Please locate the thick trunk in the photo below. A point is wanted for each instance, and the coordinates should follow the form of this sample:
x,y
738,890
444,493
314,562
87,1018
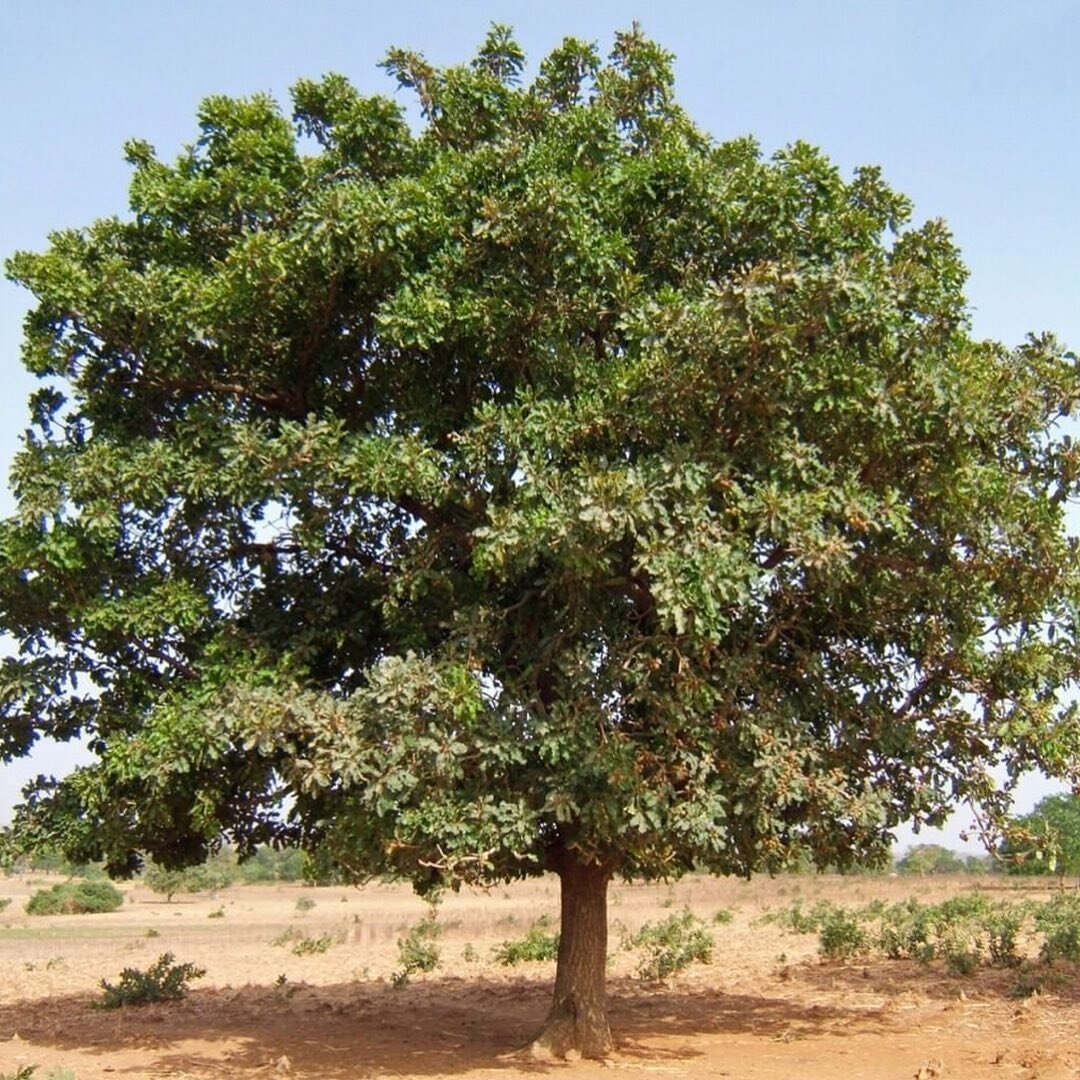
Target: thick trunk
x,y
578,1021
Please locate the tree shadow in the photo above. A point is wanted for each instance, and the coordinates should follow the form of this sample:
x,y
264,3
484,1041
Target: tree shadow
x,y
436,1027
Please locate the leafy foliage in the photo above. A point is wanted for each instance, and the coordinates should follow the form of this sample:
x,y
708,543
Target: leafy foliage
x,y
164,980
1046,841
76,898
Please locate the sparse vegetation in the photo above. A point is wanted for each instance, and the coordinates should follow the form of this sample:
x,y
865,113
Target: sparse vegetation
x,y
302,944
164,980
963,932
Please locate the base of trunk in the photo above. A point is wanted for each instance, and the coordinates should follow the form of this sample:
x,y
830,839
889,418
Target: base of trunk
x,y
572,1030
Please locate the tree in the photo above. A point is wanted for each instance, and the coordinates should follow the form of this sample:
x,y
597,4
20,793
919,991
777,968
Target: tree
x,y
551,488
925,859
1046,841
208,877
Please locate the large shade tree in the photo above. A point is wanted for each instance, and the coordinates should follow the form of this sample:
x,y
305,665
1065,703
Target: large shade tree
x,y
544,487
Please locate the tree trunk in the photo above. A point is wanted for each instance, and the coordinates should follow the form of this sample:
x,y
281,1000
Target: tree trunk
x,y
578,1020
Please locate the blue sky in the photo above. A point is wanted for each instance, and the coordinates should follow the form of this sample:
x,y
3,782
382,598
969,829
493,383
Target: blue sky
x,y
971,107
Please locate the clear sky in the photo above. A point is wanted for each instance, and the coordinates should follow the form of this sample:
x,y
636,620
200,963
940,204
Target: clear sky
x,y
971,107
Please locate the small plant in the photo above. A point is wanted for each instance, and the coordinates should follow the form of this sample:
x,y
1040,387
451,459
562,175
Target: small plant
x,y
723,917
153,933
418,950
283,988
671,946
287,936
76,898
469,953
162,981
310,946
304,944
537,944
4,902
217,913
24,1073
304,905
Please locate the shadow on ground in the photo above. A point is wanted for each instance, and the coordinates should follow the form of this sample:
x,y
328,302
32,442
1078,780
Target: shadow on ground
x,y
437,1027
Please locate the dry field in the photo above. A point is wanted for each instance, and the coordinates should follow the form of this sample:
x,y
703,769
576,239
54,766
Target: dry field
x,y
767,1008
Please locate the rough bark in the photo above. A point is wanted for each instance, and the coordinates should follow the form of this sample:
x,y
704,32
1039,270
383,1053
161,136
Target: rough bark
x,y
577,1022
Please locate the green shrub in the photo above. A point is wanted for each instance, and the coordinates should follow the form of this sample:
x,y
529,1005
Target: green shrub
x,y
538,943
1059,921
304,904
76,898
418,950
309,946
162,981
1003,925
4,902
840,935
904,932
671,945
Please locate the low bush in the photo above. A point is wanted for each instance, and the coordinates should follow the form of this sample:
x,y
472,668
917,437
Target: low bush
x,y
841,935
671,945
76,898
162,981
1059,921
418,950
538,944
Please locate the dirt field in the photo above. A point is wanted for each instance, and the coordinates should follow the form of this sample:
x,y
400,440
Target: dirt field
x,y
767,1008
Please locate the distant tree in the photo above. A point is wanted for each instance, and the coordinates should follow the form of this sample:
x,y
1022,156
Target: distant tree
x,y
1046,841
925,859
549,489
270,864
206,877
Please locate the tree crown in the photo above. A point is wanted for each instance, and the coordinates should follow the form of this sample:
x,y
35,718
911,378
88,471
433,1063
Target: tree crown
x,y
549,479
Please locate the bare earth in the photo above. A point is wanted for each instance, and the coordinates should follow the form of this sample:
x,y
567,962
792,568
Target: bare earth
x,y
767,1008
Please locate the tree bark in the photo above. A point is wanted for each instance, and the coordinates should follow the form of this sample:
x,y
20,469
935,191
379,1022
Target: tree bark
x,y
577,1022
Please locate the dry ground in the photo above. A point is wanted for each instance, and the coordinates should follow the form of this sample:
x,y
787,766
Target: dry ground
x,y
767,1008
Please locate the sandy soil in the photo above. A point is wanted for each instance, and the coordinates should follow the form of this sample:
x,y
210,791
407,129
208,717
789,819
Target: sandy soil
x,y
767,1008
